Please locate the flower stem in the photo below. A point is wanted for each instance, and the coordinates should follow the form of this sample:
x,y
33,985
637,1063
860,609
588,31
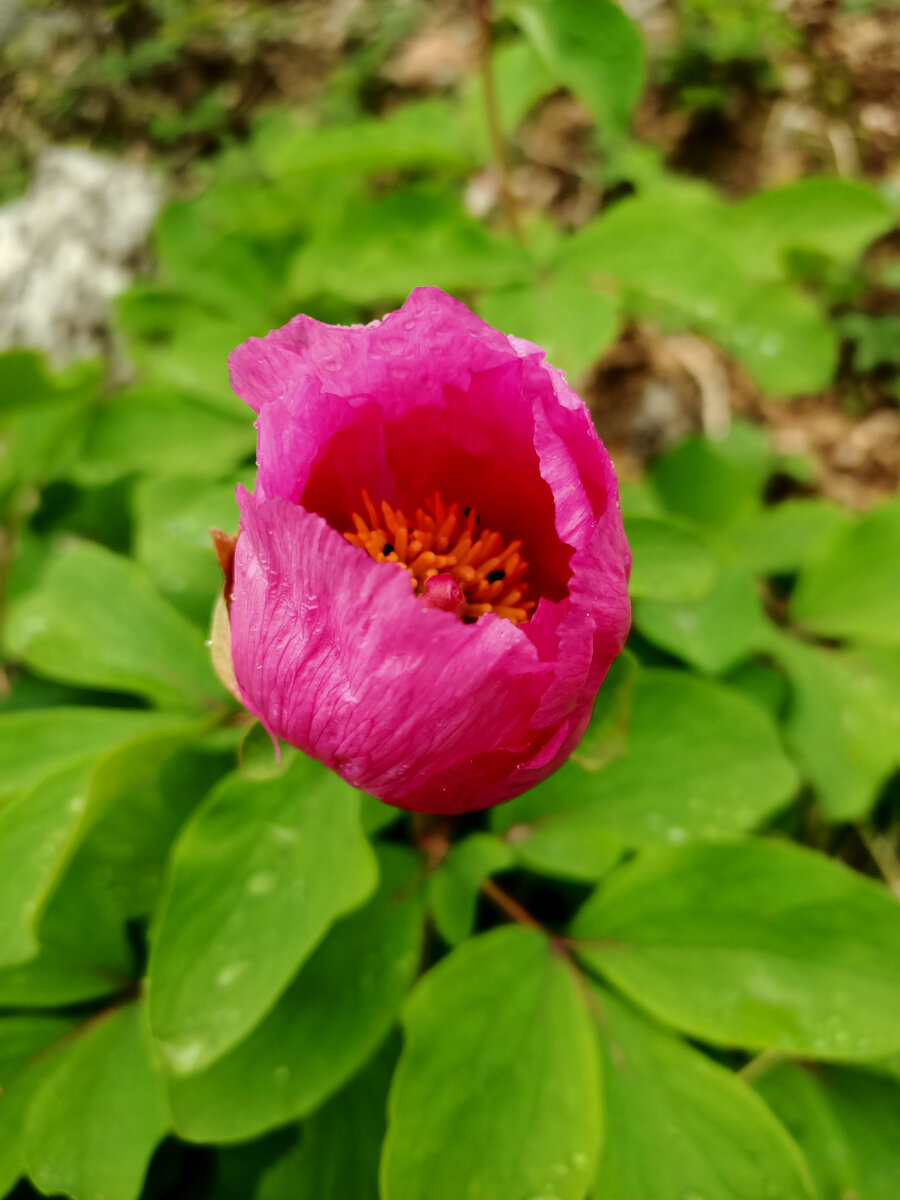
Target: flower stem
x,y
492,118
508,905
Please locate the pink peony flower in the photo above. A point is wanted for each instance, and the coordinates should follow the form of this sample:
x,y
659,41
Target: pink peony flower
x,y
430,579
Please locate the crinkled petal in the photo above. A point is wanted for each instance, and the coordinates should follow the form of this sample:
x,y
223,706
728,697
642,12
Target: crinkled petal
x,y
335,654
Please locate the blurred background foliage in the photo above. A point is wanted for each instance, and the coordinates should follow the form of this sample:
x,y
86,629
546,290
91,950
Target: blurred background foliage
x,y
693,208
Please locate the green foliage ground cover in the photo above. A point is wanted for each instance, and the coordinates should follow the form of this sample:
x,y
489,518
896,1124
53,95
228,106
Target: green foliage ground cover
x,y
205,958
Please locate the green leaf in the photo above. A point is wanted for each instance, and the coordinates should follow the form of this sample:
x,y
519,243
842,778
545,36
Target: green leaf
x,y
422,134
36,742
256,755
319,1167
703,761
783,339
24,1041
129,848
713,633
324,1027
98,1113
846,1123
380,248
229,274
566,842
96,620
41,828
496,1093
675,254
679,1125
842,721
258,876
607,733
454,886
671,561
156,429
834,217
27,383
852,588
572,326
752,944
177,344
782,539
52,980
591,47
173,518
717,483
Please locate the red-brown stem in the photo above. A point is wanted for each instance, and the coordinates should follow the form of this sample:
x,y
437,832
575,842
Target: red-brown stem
x,y
432,836
492,118
508,905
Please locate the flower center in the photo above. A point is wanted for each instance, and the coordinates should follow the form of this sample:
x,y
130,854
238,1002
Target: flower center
x,y
441,541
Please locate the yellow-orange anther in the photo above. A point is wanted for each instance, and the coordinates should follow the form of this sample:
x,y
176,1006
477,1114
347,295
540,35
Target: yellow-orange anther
x,y
439,542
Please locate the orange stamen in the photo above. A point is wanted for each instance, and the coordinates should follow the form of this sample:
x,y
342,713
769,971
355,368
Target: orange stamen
x,y
489,571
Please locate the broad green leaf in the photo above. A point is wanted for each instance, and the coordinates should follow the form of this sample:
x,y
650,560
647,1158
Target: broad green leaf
x,y
764,684
173,518
124,859
158,430
703,761
591,47
42,443
24,1043
572,326
227,273
95,619
670,561
41,828
852,588
752,944
646,246
380,248
323,1028
713,633
259,758
679,1125
26,383
259,874
846,1123
842,721
717,483
834,217
876,339
98,1113
783,339
320,1167
669,255
606,736
566,842
423,134
52,980
497,1092
180,345
782,539
35,742
454,886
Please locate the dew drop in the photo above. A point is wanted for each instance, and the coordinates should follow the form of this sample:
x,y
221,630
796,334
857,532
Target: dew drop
x,y
229,974
182,1055
261,883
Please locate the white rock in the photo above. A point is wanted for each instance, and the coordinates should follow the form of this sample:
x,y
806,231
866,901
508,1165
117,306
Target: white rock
x,y
68,247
